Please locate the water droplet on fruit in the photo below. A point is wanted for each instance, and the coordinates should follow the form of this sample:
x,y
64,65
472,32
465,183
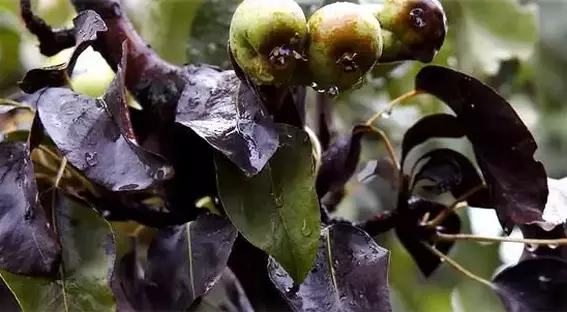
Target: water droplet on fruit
x,y
90,159
544,279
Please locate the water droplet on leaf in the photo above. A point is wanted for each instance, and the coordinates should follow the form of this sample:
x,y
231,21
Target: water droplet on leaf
x,y
90,159
531,247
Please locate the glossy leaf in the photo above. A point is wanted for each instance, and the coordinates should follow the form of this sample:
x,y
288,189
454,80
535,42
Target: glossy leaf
x,y
533,285
339,161
280,212
95,141
411,233
350,274
429,127
503,145
227,114
82,282
27,244
88,24
183,263
450,171
226,295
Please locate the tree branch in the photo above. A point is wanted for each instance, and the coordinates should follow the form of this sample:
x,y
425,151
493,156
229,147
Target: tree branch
x,y
51,41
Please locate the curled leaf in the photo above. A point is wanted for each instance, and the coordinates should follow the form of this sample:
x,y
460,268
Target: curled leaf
x,y
340,161
350,274
87,25
503,145
411,233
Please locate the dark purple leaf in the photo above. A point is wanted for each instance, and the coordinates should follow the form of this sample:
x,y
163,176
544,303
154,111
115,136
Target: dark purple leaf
x,y
7,300
502,144
27,244
532,285
339,161
184,262
96,137
430,127
451,172
227,295
535,231
357,281
87,25
411,233
249,264
228,115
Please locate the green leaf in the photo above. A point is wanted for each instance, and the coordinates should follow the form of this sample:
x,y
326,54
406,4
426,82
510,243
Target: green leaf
x,y
488,32
87,256
9,48
170,27
277,210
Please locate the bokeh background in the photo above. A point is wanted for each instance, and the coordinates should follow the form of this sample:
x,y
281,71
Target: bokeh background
x,y
518,47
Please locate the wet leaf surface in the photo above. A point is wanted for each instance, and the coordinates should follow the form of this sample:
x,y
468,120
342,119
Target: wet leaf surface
x,y
350,274
451,171
429,127
227,295
229,116
339,161
411,233
82,282
533,285
502,144
280,213
96,137
183,263
87,26
27,244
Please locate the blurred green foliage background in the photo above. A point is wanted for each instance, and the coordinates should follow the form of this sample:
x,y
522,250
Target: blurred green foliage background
x,y
516,46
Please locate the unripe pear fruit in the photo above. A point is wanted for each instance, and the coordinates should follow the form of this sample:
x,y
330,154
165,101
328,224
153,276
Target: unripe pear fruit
x,y
412,29
344,43
266,39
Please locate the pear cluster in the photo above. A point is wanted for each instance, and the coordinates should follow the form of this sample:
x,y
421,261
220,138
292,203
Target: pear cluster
x,y
274,43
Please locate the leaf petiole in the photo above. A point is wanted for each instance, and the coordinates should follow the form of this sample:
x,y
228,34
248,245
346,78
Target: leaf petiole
x,y
392,104
457,266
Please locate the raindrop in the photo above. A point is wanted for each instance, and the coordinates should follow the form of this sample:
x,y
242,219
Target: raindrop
x,y
472,105
90,158
544,279
305,229
552,246
279,201
442,259
332,91
386,114
531,247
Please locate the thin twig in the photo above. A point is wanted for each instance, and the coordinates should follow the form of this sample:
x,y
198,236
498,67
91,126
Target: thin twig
x,y
51,41
456,205
470,237
457,266
392,104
